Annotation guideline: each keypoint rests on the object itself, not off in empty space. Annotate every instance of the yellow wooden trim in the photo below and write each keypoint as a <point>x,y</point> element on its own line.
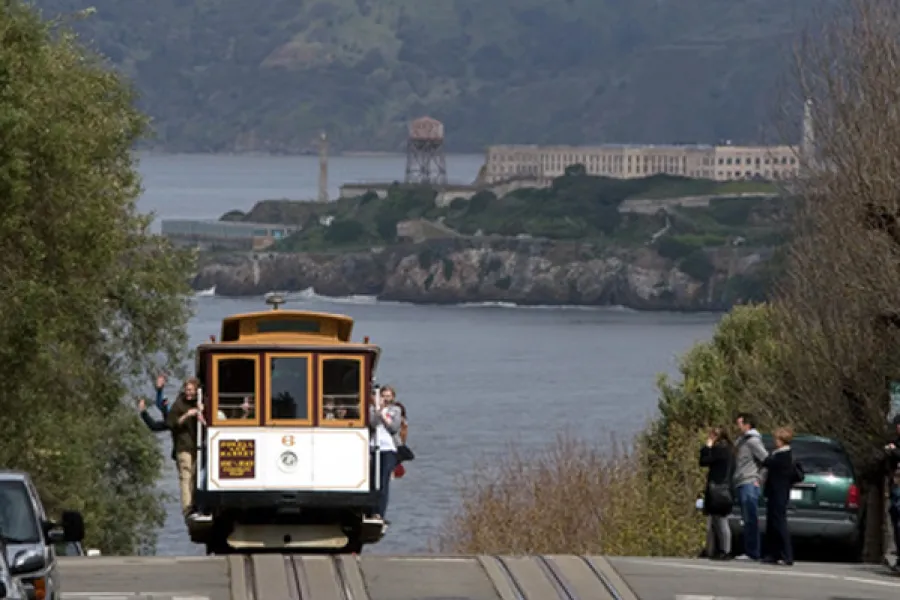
<point>214,386</point>
<point>342,423</point>
<point>309,396</point>
<point>332,326</point>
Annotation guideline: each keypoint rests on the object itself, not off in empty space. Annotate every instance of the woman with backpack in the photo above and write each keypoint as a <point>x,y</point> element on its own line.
<point>717,457</point>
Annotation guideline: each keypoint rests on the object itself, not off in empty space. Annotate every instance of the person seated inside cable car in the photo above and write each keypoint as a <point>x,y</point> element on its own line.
<point>245,410</point>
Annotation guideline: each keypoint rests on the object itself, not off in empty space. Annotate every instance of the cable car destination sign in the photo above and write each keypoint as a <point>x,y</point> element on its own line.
<point>237,459</point>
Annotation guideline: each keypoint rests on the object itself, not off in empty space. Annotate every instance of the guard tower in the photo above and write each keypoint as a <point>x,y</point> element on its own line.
<point>425,160</point>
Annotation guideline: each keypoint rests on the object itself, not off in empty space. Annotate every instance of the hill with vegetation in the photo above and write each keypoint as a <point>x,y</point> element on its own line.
<point>587,210</point>
<point>575,207</point>
<point>221,76</point>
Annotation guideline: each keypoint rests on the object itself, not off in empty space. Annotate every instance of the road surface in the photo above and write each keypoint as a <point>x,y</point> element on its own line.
<point>277,577</point>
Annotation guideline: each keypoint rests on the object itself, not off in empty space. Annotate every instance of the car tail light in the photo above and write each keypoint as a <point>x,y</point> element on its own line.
<point>853,497</point>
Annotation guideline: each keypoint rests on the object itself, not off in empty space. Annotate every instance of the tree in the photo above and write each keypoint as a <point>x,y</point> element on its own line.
<point>717,377</point>
<point>90,301</point>
<point>821,354</point>
<point>841,291</point>
<point>346,231</point>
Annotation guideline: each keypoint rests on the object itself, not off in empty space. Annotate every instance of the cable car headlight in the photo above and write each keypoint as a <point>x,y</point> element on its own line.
<point>287,461</point>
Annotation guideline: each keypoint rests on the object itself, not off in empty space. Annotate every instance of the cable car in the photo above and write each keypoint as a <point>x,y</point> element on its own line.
<point>284,457</point>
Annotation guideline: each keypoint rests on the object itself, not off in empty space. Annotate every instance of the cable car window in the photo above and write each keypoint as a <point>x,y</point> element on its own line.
<point>236,389</point>
<point>289,387</point>
<point>342,388</point>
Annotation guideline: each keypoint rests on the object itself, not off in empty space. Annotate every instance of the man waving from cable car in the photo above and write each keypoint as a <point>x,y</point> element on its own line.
<point>182,420</point>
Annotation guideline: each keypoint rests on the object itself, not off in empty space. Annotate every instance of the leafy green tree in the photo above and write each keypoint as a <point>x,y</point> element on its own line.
<point>90,301</point>
<point>714,375</point>
<point>344,231</point>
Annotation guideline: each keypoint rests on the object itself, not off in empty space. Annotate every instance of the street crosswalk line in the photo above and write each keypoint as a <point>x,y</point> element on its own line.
<point>131,596</point>
<point>708,597</point>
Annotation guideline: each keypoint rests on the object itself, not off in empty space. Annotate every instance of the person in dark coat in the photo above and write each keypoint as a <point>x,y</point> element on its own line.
<point>717,457</point>
<point>780,478</point>
<point>893,455</point>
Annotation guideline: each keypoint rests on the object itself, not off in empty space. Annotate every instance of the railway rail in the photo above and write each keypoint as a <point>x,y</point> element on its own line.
<point>296,577</point>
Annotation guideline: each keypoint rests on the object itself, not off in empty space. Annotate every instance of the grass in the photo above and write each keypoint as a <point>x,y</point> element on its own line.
<point>706,187</point>
<point>578,498</point>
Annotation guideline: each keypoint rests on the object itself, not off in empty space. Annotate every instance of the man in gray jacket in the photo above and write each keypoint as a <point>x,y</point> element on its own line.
<point>749,456</point>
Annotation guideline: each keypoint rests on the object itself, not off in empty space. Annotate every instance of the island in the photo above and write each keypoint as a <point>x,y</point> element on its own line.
<point>656,243</point>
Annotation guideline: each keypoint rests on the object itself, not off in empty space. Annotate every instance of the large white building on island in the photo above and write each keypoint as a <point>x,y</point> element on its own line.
<point>720,162</point>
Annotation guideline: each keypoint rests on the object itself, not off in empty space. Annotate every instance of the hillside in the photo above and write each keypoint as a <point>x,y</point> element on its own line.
<point>222,75</point>
<point>576,208</point>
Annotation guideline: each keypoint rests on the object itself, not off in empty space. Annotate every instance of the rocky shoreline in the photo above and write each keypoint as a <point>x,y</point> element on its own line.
<point>524,272</point>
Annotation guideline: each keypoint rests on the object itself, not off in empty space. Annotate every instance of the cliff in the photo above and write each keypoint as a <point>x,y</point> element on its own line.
<point>521,271</point>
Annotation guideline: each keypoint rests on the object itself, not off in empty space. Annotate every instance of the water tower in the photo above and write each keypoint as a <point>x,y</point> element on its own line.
<point>425,160</point>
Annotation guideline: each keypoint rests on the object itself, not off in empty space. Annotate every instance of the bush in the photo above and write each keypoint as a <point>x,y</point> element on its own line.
<point>480,201</point>
<point>386,226</point>
<point>714,375</point>
<point>426,258</point>
<point>448,268</point>
<point>733,212</point>
<point>344,232</point>
<point>578,498</point>
<point>674,248</point>
<point>697,265</point>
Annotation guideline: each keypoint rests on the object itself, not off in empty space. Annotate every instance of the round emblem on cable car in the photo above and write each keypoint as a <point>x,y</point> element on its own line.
<point>287,461</point>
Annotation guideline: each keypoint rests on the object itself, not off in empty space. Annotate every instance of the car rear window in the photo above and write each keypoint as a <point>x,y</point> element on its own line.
<point>818,458</point>
<point>18,524</point>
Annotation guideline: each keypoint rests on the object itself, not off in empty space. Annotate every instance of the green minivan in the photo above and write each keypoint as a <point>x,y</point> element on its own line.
<point>825,507</point>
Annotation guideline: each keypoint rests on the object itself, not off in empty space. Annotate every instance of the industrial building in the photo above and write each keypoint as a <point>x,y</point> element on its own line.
<point>230,235</point>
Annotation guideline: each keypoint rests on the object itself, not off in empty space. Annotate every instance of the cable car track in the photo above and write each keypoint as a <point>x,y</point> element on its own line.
<point>348,577</point>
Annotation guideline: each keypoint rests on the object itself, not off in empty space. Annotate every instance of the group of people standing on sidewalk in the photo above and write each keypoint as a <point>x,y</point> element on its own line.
<point>746,469</point>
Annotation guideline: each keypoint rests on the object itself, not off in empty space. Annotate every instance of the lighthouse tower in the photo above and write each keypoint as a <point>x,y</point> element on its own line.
<point>808,141</point>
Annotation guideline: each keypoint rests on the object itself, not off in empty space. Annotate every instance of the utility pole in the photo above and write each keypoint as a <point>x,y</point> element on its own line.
<point>323,167</point>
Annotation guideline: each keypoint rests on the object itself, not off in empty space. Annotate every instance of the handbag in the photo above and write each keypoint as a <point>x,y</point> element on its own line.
<point>404,454</point>
<point>720,496</point>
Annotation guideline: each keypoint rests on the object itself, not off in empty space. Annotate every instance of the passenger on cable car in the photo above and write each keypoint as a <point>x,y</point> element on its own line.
<point>162,403</point>
<point>385,417</point>
<point>151,423</point>
<point>404,453</point>
<point>182,420</point>
<point>332,411</point>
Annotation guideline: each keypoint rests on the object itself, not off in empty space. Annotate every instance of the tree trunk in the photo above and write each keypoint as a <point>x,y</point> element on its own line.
<point>876,523</point>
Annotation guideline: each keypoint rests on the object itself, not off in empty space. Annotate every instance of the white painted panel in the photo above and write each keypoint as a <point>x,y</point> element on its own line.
<point>283,458</point>
<point>294,459</point>
<point>287,461</point>
<point>341,460</point>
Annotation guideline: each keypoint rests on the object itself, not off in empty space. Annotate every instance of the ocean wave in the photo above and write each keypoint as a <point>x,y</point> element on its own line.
<point>310,295</point>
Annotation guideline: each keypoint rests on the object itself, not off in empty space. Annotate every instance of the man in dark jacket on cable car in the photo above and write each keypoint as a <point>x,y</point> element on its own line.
<point>182,421</point>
